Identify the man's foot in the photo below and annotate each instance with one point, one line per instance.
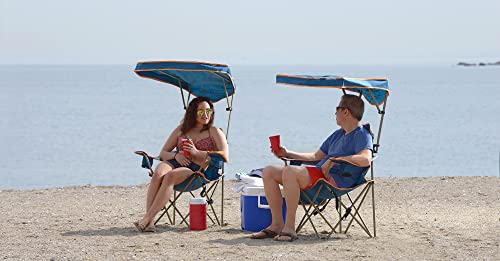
(264, 233)
(286, 236)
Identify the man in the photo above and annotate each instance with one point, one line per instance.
(351, 142)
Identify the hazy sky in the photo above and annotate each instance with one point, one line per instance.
(249, 32)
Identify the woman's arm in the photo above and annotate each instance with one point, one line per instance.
(166, 152)
(220, 142)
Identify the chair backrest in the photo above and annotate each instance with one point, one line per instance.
(346, 174)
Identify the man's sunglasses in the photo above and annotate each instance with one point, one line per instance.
(340, 107)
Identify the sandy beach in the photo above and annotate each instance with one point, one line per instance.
(417, 218)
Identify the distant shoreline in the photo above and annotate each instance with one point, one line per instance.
(477, 64)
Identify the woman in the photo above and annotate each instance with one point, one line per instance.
(196, 135)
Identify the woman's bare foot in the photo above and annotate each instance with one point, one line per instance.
(141, 227)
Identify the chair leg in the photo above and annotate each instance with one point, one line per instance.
(373, 209)
(208, 194)
(340, 215)
(308, 214)
(356, 216)
(222, 203)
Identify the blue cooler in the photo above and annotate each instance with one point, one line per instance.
(255, 212)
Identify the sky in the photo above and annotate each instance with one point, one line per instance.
(249, 32)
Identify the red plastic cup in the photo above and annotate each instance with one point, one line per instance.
(197, 214)
(275, 142)
(184, 143)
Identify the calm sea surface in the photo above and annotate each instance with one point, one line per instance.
(79, 125)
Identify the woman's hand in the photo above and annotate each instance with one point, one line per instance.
(282, 152)
(183, 160)
(189, 146)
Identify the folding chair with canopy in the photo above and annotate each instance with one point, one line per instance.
(210, 80)
(315, 199)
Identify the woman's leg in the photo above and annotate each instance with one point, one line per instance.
(163, 194)
(160, 171)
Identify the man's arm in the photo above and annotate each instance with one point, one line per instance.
(362, 159)
(308, 156)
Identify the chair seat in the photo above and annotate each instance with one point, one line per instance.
(323, 190)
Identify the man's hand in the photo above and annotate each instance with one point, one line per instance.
(325, 167)
(281, 152)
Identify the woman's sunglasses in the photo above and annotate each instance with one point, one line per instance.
(200, 112)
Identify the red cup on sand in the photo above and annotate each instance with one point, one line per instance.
(275, 142)
(185, 142)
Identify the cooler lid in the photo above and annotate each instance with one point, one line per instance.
(197, 201)
(253, 191)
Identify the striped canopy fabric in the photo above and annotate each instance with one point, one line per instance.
(375, 90)
(210, 80)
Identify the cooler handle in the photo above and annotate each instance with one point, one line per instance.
(261, 205)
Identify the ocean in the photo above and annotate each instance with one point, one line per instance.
(79, 125)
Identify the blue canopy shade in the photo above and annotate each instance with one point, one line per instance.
(210, 80)
(375, 90)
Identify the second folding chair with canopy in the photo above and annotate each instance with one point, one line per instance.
(210, 80)
(315, 199)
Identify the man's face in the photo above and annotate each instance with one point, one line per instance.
(340, 114)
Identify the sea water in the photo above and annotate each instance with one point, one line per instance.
(79, 125)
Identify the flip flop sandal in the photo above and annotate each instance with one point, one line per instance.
(150, 228)
(292, 237)
(138, 227)
(267, 233)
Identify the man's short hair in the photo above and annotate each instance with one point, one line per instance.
(355, 105)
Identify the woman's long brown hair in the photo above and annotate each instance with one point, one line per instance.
(189, 120)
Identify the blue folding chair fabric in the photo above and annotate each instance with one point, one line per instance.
(323, 190)
(210, 80)
(203, 177)
(375, 90)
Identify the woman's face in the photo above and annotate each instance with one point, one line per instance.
(203, 113)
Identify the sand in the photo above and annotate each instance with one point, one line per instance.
(417, 218)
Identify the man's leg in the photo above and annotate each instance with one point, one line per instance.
(294, 179)
(272, 177)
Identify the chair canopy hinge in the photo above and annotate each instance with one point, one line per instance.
(229, 109)
(375, 148)
(381, 112)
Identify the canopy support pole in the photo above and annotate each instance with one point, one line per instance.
(375, 101)
(182, 95)
(382, 115)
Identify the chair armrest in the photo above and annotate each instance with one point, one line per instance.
(346, 173)
(147, 160)
(343, 161)
(296, 162)
(216, 160)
